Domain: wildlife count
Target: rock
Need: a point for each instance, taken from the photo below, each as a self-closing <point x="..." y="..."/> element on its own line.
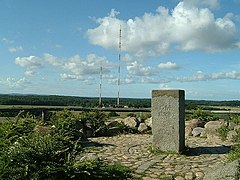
<point x="231" y="135"/>
<point x="231" y="126"/>
<point x="179" y="178"/>
<point x="148" y="122"/>
<point x="142" y="127"/>
<point x="194" y="123"/>
<point x="236" y="128"/>
<point x="214" y="125"/>
<point x="223" y="172"/>
<point x="199" y="175"/>
<point x="189" y="176"/>
<point x="203" y="133"/>
<point x="188" y="131"/>
<point x="130" y="122"/>
<point x="212" y="135"/>
<point x="197" y="131"/>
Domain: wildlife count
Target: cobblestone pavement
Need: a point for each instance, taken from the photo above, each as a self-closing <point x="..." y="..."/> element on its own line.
<point x="134" y="151"/>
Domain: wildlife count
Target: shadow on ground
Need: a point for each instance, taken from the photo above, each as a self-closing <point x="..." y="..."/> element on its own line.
<point x="86" y="143"/>
<point x="207" y="150"/>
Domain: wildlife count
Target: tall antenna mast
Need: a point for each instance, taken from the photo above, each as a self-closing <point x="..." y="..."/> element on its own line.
<point x="119" y="59"/>
<point x="100" y="86"/>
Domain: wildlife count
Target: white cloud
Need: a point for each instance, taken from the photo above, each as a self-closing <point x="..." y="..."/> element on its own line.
<point x="201" y="76"/>
<point x="168" y="65"/>
<point x="29" y="63"/>
<point x="13" y="83"/>
<point x="186" y="27"/>
<point x="15" y="49"/>
<point x="138" y="69"/>
<point x="80" y="66"/>
<point x="65" y="76"/>
<point x="202" y="3"/>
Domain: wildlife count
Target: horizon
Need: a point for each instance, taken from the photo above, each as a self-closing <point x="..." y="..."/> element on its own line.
<point x="97" y="97"/>
<point x="57" y="48"/>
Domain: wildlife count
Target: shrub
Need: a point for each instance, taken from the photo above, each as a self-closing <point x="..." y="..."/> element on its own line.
<point x="235" y="118"/>
<point x="223" y="131"/>
<point x="113" y="114"/>
<point x="30" y="154"/>
<point x="38" y="157"/>
<point x="202" y="115"/>
<point x="131" y="115"/>
<point x="235" y="152"/>
<point x="97" y="169"/>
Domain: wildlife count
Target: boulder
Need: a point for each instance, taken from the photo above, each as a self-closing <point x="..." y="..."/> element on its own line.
<point x="203" y="133"/>
<point x="148" y="122"/>
<point x="130" y="122"/>
<point x="194" y="123"/>
<point x="212" y="135"/>
<point x="231" y="135"/>
<point x="214" y="125"/>
<point x="142" y="127"/>
<point x="188" y="131"/>
<point x="236" y="128"/>
<point x="197" y="131"/>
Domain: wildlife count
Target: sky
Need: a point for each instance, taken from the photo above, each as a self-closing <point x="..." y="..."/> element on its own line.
<point x="57" y="47"/>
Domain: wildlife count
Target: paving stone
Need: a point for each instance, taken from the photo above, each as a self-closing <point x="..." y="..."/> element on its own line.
<point x="132" y="150"/>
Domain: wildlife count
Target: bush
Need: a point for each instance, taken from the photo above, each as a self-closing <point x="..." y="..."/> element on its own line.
<point x="113" y="114"/>
<point x="223" y="131"/>
<point x="235" y="152"/>
<point x="97" y="169"/>
<point x="235" y="118"/>
<point x="202" y="115"/>
<point x="29" y="154"/>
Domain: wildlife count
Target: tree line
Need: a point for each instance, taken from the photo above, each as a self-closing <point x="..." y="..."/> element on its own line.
<point x="55" y="100"/>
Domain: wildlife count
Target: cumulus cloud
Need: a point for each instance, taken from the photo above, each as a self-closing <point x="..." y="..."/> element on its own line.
<point x="15" y="49"/>
<point x="29" y="63"/>
<point x="189" y="26"/>
<point x="168" y="65"/>
<point x="65" y="76"/>
<point x="80" y="66"/>
<point x="202" y="3"/>
<point x="13" y="83"/>
<point x="201" y="76"/>
<point x="135" y="68"/>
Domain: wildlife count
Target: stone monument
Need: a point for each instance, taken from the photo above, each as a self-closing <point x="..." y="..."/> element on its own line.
<point x="168" y="120"/>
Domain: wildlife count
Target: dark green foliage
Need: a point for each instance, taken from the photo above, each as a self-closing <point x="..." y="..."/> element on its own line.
<point x="27" y="153"/>
<point x="202" y="115"/>
<point x="93" y="121"/>
<point x="235" y="118"/>
<point x="97" y="169"/>
<point x="131" y="115"/>
<point x="38" y="157"/>
<point x="113" y="114"/>
<point x="223" y="131"/>
<point x="235" y="153"/>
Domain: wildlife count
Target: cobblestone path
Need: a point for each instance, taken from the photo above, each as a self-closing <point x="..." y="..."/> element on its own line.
<point x="134" y="151"/>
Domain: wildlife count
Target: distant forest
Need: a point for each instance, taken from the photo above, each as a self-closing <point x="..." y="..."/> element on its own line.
<point x="54" y="100"/>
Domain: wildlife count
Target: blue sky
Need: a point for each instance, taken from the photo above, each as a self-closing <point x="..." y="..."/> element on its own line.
<point x="57" y="47"/>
